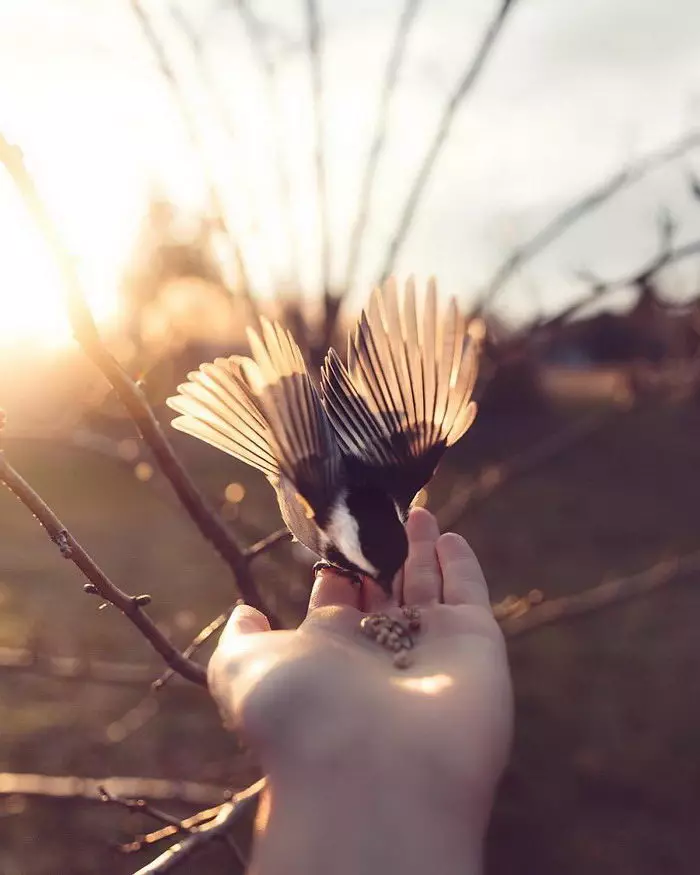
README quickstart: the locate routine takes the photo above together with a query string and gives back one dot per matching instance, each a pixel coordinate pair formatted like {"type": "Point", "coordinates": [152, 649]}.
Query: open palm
{"type": "Point", "coordinates": [324, 695]}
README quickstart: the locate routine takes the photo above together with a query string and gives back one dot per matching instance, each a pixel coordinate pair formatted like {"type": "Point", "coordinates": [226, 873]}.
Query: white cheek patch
{"type": "Point", "coordinates": [343, 531]}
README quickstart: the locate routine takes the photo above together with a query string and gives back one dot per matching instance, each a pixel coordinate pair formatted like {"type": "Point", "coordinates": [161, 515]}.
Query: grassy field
{"type": "Point", "coordinates": [606, 771]}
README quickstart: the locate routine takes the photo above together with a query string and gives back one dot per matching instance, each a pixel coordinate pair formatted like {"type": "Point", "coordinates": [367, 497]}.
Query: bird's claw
{"type": "Point", "coordinates": [352, 576]}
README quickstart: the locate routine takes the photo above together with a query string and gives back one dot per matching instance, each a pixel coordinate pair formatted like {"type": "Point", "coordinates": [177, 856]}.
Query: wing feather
{"type": "Point", "coordinates": [266, 412]}
{"type": "Point", "coordinates": [405, 394]}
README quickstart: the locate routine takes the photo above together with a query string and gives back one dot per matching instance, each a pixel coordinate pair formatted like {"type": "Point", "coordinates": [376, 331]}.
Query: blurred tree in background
{"type": "Point", "coordinates": [579, 471]}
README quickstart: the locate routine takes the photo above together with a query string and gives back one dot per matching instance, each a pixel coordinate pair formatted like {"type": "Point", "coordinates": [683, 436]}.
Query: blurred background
{"type": "Point", "coordinates": [207, 162]}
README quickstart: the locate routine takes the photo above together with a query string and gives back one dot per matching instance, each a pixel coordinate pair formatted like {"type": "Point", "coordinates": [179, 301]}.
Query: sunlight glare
{"type": "Point", "coordinates": [31, 292]}
{"type": "Point", "coordinates": [429, 686]}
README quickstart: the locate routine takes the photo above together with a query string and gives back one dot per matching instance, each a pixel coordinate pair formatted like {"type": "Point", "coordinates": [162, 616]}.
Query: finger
{"type": "Point", "coordinates": [331, 588]}
{"type": "Point", "coordinates": [244, 620]}
{"type": "Point", "coordinates": [373, 598]}
{"type": "Point", "coordinates": [422, 579]}
{"type": "Point", "coordinates": [463, 580]}
{"type": "Point", "coordinates": [398, 588]}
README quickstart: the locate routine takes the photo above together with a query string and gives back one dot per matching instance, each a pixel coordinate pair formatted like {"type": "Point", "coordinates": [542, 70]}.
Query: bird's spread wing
{"type": "Point", "coordinates": [406, 393]}
{"type": "Point", "coordinates": [265, 411]}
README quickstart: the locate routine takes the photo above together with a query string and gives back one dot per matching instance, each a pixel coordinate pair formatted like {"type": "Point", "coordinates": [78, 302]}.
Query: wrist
{"type": "Point", "coordinates": [373, 820]}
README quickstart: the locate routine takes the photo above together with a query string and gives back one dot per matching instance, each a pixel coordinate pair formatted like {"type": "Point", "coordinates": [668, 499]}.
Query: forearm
{"type": "Point", "coordinates": [366, 823]}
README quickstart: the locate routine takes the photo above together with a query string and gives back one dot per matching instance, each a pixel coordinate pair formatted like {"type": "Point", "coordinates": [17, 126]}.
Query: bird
{"type": "Point", "coordinates": [346, 455]}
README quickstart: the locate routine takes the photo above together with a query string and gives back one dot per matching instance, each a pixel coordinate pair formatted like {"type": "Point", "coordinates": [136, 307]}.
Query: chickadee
{"type": "Point", "coordinates": [346, 459]}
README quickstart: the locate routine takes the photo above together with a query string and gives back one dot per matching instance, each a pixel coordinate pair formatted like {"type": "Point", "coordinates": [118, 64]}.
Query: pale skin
{"type": "Point", "coordinates": [372, 769]}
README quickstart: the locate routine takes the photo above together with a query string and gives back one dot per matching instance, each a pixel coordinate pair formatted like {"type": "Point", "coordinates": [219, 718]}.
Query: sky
{"type": "Point", "coordinates": [571, 93]}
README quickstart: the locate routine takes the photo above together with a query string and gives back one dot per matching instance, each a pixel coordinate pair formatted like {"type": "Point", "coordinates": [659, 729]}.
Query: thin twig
{"type": "Point", "coordinates": [165, 832]}
{"type": "Point", "coordinates": [25, 660]}
{"type": "Point", "coordinates": [391, 76]}
{"type": "Point", "coordinates": [593, 199]}
{"type": "Point", "coordinates": [216, 207]}
{"type": "Point", "coordinates": [243, 187]}
{"type": "Point", "coordinates": [496, 476]}
{"type": "Point", "coordinates": [675, 570]}
{"type": "Point", "coordinates": [254, 29]}
{"type": "Point", "coordinates": [210, 525]}
{"type": "Point", "coordinates": [599, 288]}
{"type": "Point", "coordinates": [313, 24]}
{"type": "Point", "coordinates": [536, 613]}
{"type": "Point", "coordinates": [130, 606]}
{"type": "Point", "coordinates": [267, 543]}
{"type": "Point", "coordinates": [76, 787]}
{"type": "Point", "coordinates": [198, 641]}
{"type": "Point", "coordinates": [257, 549]}
{"type": "Point", "coordinates": [639, 277]}
{"type": "Point", "coordinates": [425, 170]}
{"type": "Point", "coordinates": [217, 828]}
{"type": "Point", "coordinates": [140, 806]}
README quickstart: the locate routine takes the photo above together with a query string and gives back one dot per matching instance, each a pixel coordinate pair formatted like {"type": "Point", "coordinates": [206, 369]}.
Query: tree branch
{"type": "Point", "coordinates": [99, 583]}
{"type": "Point", "coordinates": [254, 30]}
{"type": "Point", "coordinates": [599, 195]}
{"type": "Point", "coordinates": [464, 87]}
{"type": "Point", "coordinates": [218, 828]}
{"type": "Point", "coordinates": [140, 806]}
{"type": "Point", "coordinates": [74, 787]}
{"type": "Point", "coordinates": [520, 617]}
{"type": "Point", "coordinates": [655, 266]}
{"type": "Point", "coordinates": [216, 207]}
{"type": "Point", "coordinates": [313, 24]}
{"type": "Point", "coordinates": [210, 525]}
{"type": "Point", "coordinates": [74, 668]}
{"type": "Point", "coordinates": [267, 543]}
{"type": "Point", "coordinates": [165, 832]}
{"type": "Point", "coordinates": [199, 640]}
{"type": "Point", "coordinates": [495, 476]}
{"type": "Point", "coordinates": [408, 16]}
{"type": "Point", "coordinates": [666, 572]}
{"type": "Point", "coordinates": [257, 549]}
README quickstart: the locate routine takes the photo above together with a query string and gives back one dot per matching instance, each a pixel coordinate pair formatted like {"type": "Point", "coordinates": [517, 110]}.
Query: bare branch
{"type": "Point", "coordinates": [517, 616]}
{"type": "Point", "coordinates": [464, 87]}
{"type": "Point", "coordinates": [255, 32]}
{"type": "Point", "coordinates": [216, 206]}
{"type": "Point", "coordinates": [495, 476]}
{"type": "Point", "coordinates": [408, 16]}
{"type": "Point", "coordinates": [131, 606]}
{"type": "Point", "coordinates": [640, 277]}
{"type": "Point", "coordinates": [313, 24]}
{"type": "Point", "coordinates": [217, 828]}
{"type": "Point", "coordinates": [140, 806]}
{"type": "Point", "coordinates": [25, 660]}
{"type": "Point", "coordinates": [257, 549]}
{"type": "Point", "coordinates": [267, 543]}
{"type": "Point", "coordinates": [675, 570]}
{"type": "Point", "coordinates": [599, 195]}
{"type": "Point", "coordinates": [200, 639]}
{"type": "Point", "coordinates": [210, 525]}
{"type": "Point", "coordinates": [151, 838]}
{"type": "Point", "coordinates": [74, 787]}
{"type": "Point", "coordinates": [599, 288]}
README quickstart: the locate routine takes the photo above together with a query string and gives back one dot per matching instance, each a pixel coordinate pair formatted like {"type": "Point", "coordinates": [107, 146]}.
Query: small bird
{"type": "Point", "coordinates": [346, 459]}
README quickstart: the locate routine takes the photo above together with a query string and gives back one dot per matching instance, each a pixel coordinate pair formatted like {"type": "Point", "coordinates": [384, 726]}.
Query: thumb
{"type": "Point", "coordinates": [226, 660]}
{"type": "Point", "coordinates": [244, 620]}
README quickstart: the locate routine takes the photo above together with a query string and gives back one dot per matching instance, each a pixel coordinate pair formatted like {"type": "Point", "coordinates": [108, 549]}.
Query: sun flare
{"type": "Point", "coordinates": [32, 299]}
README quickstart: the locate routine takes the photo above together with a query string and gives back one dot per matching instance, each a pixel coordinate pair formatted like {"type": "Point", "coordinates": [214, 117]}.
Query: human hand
{"type": "Point", "coordinates": [336, 724]}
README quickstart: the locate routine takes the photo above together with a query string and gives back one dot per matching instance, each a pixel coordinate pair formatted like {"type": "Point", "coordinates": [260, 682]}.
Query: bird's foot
{"type": "Point", "coordinates": [352, 576]}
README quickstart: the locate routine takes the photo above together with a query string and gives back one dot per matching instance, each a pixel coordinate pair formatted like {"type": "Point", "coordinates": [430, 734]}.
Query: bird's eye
{"type": "Point", "coordinates": [306, 507]}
